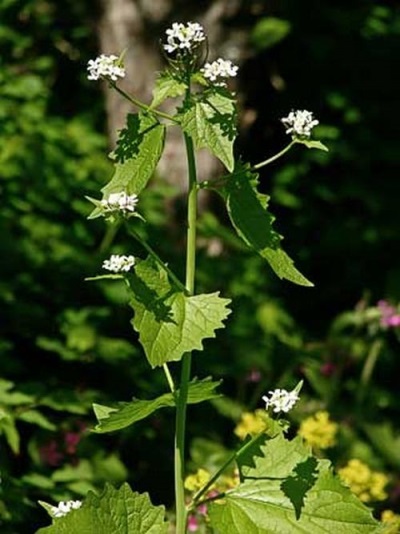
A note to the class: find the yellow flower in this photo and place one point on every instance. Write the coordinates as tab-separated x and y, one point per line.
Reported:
392	522
319	431
198	480
250	424
368	485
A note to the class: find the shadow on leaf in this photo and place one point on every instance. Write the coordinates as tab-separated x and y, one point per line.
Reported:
303	479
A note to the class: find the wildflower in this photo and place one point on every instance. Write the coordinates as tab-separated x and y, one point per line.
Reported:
119	202
368	485
319	431
281	400
218	69
118	263
198	480
64	507
193	523
391	521
106	67
183	37
299	124
389	315
250	424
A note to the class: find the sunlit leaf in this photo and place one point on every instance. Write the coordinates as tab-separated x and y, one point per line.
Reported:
126	413
114	511
211	123
171	323
247	209
166	86
287	490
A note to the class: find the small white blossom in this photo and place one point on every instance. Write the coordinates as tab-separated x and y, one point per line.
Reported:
220	68
106	67
280	400
118	263
64	507
299	123
119	202
181	36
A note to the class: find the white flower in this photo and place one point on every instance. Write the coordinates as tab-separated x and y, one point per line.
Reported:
64	507
106	67
220	68
181	36
118	263
120	202
280	400
299	123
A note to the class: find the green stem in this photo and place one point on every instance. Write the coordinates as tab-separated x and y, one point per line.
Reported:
141	105
234	457
157	258
369	366
273	158
181	513
169	378
108	238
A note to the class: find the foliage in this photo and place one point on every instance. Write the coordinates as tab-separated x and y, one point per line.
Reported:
62	343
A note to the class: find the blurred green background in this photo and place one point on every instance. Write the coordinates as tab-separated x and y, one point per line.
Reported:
66	343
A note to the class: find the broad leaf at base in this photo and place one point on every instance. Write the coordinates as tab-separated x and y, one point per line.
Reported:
286	491
114	511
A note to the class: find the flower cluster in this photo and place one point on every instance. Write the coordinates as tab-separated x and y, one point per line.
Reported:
389	315
391	521
250	424
218	69
319	431
280	400
299	124
119	202
117	263
64	507
105	67
368	485
184	37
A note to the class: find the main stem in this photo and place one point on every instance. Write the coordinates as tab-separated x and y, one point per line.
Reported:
181	513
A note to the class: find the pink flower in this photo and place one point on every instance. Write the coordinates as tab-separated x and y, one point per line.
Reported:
50	454
327	369
390	317
193	524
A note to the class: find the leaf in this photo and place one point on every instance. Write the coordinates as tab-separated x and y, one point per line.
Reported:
247	210
114	511
128	413
288	490
211	123
139	148
167	87
9	429
269	31
312	144
36	418
169	322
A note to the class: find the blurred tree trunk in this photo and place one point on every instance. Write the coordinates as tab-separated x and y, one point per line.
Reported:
138	26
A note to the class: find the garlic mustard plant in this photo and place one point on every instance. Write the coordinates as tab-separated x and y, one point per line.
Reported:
269	483
118	263
105	67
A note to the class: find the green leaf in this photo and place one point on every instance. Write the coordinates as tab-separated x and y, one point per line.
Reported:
312	144
169	322
114	511
139	149
247	210
36	418
167	87
269	31
287	490
9	429
127	413
211	123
